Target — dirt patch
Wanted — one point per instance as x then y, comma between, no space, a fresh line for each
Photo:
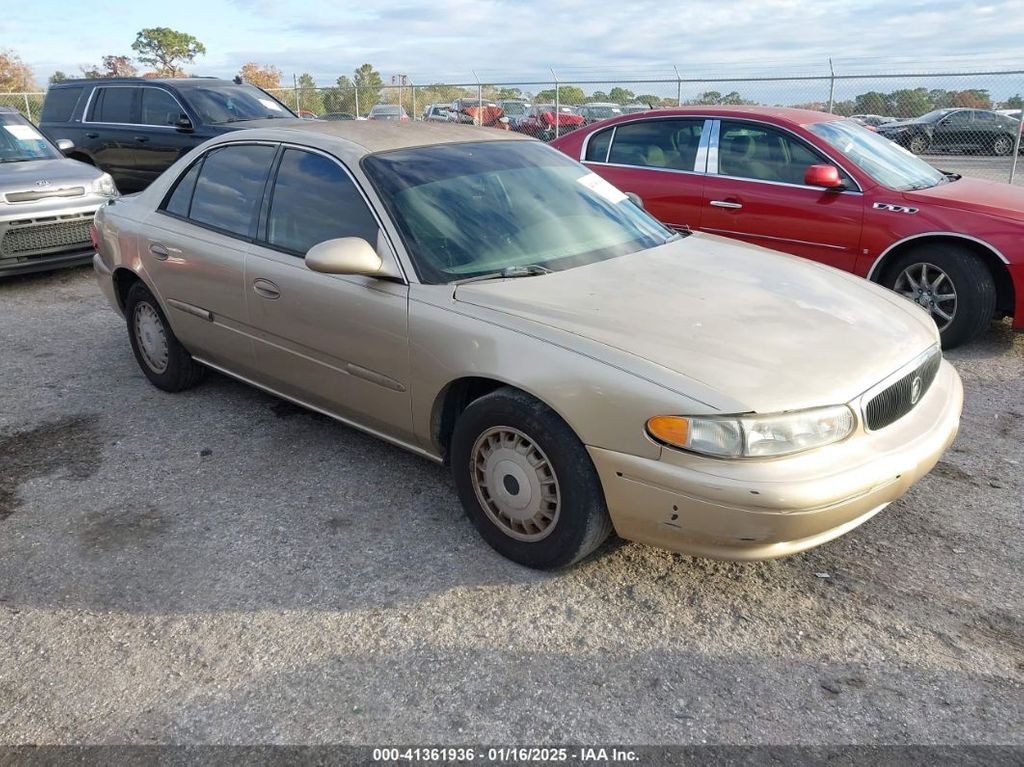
117,528
70,444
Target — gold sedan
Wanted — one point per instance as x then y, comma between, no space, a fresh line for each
479,299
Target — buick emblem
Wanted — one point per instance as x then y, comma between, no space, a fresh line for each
42,182
915,389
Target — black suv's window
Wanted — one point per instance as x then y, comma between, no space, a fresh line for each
159,107
60,104
115,105
230,188
232,103
657,143
314,200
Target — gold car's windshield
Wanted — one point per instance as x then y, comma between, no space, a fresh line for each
472,209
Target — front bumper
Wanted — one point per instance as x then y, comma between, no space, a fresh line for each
761,509
36,239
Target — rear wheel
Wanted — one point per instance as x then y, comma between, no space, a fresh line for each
1002,146
952,283
918,144
166,363
526,481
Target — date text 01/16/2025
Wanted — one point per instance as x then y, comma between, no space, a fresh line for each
503,754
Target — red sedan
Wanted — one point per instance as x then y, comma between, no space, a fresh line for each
822,187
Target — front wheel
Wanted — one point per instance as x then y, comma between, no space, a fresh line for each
526,481
952,283
918,144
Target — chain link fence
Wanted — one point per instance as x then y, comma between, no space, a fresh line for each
979,136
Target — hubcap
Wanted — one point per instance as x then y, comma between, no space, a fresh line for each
149,332
929,286
515,483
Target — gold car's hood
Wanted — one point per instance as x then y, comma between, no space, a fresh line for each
764,330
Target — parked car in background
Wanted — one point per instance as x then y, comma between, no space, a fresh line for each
438,113
598,110
515,110
872,121
955,130
134,129
632,109
470,111
47,201
388,112
486,302
338,116
545,122
822,187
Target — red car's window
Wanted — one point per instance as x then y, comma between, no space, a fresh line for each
748,150
661,143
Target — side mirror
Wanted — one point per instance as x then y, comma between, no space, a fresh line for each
183,123
635,199
65,145
823,175
345,255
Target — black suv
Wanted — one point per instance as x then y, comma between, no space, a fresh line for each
134,129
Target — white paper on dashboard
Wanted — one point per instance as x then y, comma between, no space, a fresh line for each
595,183
23,132
270,104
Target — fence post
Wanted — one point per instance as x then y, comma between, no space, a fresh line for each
831,86
357,100
558,95
414,112
1016,148
28,107
295,86
679,87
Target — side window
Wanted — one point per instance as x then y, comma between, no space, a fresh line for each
958,119
229,189
159,107
657,144
315,200
985,117
180,200
597,149
60,103
115,105
748,150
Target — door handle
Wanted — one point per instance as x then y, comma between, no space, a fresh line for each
142,139
92,135
159,251
726,204
265,288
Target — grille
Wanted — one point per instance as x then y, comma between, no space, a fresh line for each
30,196
894,402
42,237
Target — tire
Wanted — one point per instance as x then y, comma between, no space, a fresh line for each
1002,146
161,356
510,452
916,275
919,144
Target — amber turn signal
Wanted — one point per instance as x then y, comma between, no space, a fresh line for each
669,428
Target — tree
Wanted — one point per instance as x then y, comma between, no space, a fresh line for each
310,99
15,74
567,95
910,102
267,77
621,95
341,98
112,66
58,77
1014,102
368,82
871,103
167,49
508,93
974,98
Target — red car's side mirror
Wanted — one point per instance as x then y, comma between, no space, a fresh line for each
823,175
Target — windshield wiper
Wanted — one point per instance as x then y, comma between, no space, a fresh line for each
509,272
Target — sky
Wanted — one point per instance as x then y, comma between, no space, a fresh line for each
523,40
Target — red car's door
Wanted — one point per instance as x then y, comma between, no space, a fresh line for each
660,159
754,190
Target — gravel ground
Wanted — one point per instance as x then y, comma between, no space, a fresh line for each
222,567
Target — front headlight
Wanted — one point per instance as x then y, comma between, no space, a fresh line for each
754,436
105,187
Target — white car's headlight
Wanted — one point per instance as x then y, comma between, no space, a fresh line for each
754,436
105,187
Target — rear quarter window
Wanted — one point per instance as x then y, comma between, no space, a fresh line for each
59,104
